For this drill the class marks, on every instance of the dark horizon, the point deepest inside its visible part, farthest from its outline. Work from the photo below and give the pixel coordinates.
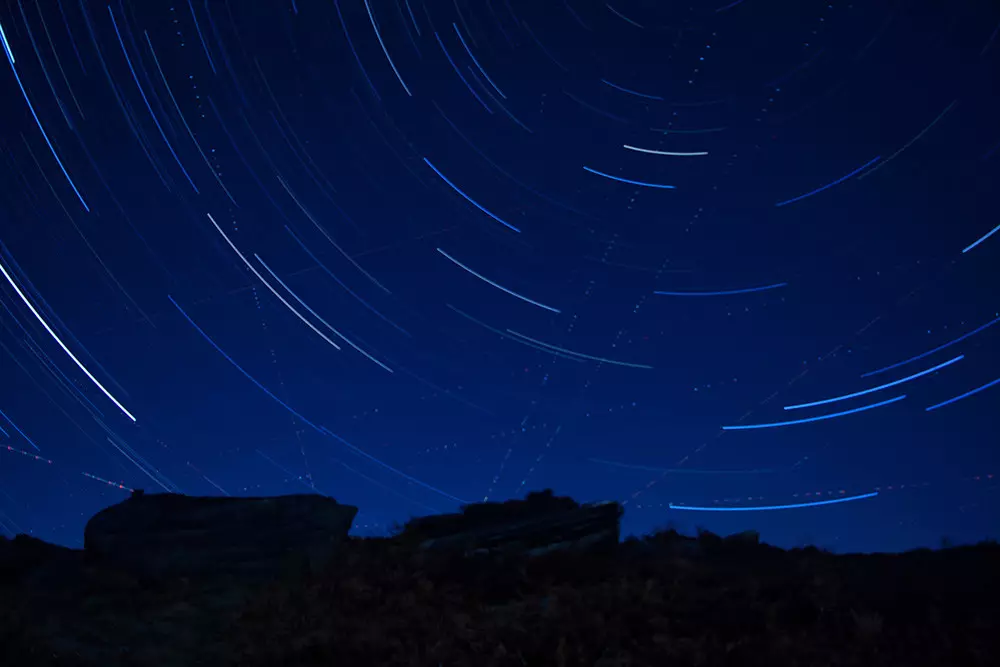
(734, 265)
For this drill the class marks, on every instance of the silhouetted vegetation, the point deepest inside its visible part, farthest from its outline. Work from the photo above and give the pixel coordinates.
(665, 599)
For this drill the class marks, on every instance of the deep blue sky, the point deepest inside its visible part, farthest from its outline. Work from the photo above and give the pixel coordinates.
(433, 182)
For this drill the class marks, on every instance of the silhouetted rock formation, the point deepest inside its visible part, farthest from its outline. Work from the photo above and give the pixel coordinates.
(539, 524)
(27, 558)
(496, 585)
(161, 535)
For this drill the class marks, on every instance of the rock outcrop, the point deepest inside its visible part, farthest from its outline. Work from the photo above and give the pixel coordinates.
(167, 535)
(425, 597)
(540, 524)
(29, 559)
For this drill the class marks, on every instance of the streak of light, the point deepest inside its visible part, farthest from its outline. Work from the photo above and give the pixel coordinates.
(499, 287)
(631, 92)
(501, 105)
(28, 454)
(409, 33)
(384, 50)
(58, 406)
(672, 153)
(31, 108)
(297, 478)
(681, 471)
(629, 181)
(460, 75)
(205, 477)
(729, 6)
(708, 130)
(773, 507)
(513, 338)
(53, 316)
(385, 465)
(57, 373)
(989, 43)
(500, 169)
(9, 520)
(45, 71)
(988, 234)
(776, 83)
(204, 46)
(137, 459)
(534, 38)
(829, 185)
(470, 199)
(596, 110)
(412, 17)
(222, 48)
(6, 46)
(936, 349)
(136, 464)
(268, 286)
(911, 141)
(142, 92)
(965, 395)
(579, 354)
(469, 51)
(357, 58)
(341, 283)
(330, 238)
(86, 241)
(623, 17)
(240, 369)
(878, 388)
(813, 419)
(169, 484)
(496, 477)
(538, 459)
(450, 394)
(180, 113)
(988, 154)
(317, 316)
(388, 488)
(576, 16)
(16, 428)
(724, 292)
(63, 345)
(117, 485)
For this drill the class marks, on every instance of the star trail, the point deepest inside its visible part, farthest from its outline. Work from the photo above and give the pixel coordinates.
(266, 248)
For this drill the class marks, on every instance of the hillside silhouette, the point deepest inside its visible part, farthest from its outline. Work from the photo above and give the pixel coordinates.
(540, 581)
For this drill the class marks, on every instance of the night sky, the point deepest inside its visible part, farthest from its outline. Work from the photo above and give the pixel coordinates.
(735, 265)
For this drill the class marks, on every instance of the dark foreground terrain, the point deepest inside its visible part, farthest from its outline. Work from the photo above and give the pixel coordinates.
(664, 600)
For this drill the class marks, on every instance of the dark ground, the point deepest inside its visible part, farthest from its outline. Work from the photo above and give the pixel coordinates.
(662, 600)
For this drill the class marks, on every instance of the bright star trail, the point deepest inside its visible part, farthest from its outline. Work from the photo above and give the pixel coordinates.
(763, 508)
(745, 290)
(864, 408)
(628, 180)
(671, 153)
(263, 248)
(874, 389)
(983, 238)
(499, 287)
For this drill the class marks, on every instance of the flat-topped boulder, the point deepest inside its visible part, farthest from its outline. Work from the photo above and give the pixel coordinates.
(165, 535)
